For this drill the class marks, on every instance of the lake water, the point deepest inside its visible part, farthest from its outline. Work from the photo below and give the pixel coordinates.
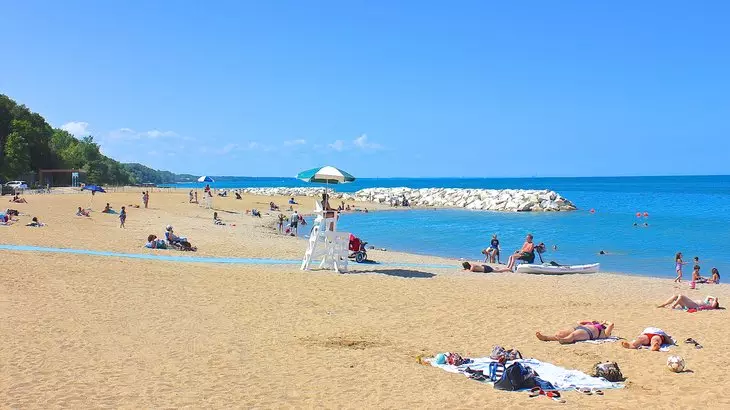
(689, 214)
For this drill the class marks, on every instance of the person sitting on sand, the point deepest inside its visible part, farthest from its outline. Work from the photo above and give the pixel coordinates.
(154, 243)
(715, 278)
(82, 212)
(35, 222)
(482, 268)
(684, 302)
(586, 330)
(17, 199)
(273, 206)
(526, 253)
(178, 242)
(255, 212)
(107, 209)
(217, 220)
(651, 336)
(238, 196)
(292, 201)
(696, 278)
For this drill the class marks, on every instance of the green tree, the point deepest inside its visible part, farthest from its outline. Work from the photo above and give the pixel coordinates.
(17, 156)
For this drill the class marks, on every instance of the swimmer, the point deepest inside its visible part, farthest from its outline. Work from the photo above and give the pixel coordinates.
(555, 247)
(602, 252)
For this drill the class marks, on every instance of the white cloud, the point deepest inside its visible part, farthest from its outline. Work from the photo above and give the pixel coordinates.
(77, 128)
(295, 142)
(130, 134)
(338, 145)
(158, 134)
(228, 148)
(362, 143)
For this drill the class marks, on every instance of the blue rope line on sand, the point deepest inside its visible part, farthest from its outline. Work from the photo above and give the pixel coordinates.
(192, 259)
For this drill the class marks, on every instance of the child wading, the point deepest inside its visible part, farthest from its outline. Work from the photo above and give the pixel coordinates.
(122, 217)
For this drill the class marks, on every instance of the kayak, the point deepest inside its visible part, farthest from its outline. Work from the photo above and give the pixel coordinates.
(547, 269)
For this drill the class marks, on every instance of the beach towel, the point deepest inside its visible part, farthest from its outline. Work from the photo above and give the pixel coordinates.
(562, 379)
(609, 339)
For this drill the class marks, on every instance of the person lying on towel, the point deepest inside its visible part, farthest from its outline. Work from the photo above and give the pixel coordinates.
(586, 330)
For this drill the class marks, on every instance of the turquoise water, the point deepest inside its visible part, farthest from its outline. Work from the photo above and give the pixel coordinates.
(689, 214)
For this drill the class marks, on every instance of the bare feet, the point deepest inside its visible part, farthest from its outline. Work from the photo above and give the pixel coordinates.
(626, 345)
(542, 337)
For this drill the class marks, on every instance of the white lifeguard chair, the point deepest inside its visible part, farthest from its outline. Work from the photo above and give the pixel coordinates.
(326, 243)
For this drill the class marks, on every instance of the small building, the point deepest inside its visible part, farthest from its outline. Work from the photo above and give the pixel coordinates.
(61, 177)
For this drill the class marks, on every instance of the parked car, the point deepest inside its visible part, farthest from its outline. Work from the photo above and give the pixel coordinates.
(17, 185)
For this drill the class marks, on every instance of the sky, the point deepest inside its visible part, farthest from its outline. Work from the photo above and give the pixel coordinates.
(381, 88)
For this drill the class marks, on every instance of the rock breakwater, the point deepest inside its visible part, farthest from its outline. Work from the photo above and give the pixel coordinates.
(506, 200)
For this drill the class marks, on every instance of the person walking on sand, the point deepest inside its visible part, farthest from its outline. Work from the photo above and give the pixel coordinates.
(281, 223)
(122, 217)
(190, 197)
(678, 263)
(145, 198)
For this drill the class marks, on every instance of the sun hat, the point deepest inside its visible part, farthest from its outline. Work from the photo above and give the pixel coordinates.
(168, 228)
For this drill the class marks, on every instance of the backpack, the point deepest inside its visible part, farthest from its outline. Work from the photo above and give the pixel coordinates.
(516, 377)
(608, 371)
(502, 355)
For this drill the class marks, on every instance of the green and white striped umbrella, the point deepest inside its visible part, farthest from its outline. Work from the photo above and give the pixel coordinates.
(325, 175)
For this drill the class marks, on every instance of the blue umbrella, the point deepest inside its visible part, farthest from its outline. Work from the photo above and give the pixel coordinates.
(93, 188)
(205, 178)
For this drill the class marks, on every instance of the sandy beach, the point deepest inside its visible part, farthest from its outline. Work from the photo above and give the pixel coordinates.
(84, 331)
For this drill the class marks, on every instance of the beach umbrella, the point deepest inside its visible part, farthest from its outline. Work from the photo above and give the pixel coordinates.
(325, 175)
(93, 189)
(205, 178)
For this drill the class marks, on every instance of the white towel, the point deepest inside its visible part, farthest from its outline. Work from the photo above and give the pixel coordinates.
(561, 378)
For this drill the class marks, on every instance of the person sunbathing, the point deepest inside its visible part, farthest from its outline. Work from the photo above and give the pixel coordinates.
(238, 196)
(255, 212)
(35, 222)
(273, 206)
(217, 220)
(683, 302)
(715, 278)
(652, 337)
(179, 242)
(18, 200)
(482, 268)
(586, 330)
(154, 243)
(82, 212)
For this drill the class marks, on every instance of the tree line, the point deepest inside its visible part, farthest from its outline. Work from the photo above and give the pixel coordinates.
(28, 143)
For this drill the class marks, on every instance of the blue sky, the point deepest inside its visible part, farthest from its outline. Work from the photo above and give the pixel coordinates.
(381, 88)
